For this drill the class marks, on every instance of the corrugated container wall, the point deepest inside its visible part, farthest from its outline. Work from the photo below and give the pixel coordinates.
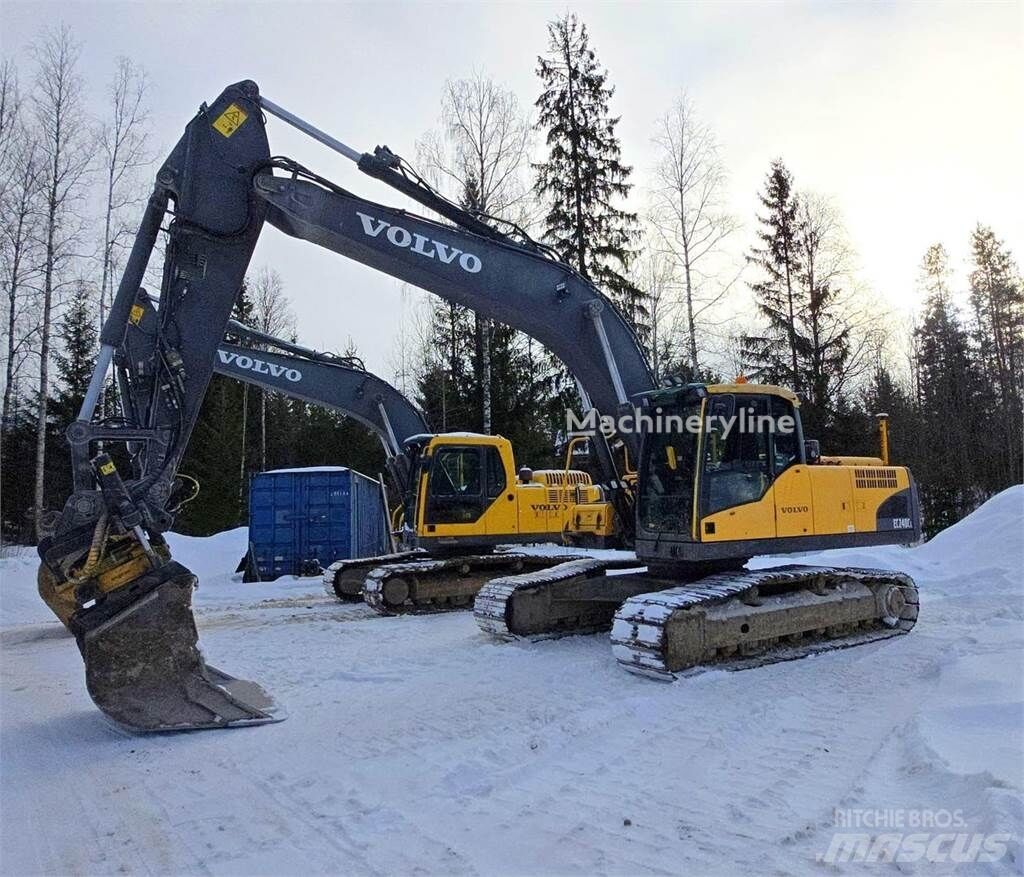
(301, 517)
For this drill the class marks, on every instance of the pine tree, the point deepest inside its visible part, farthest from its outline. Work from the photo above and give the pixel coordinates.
(583, 177)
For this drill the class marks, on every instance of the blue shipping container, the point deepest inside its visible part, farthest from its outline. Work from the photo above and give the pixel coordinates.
(301, 516)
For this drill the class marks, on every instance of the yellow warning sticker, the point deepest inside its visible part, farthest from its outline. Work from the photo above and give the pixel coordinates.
(136, 315)
(108, 469)
(231, 120)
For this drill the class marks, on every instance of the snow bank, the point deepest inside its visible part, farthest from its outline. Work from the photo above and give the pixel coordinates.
(992, 533)
(989, 543)
(210, 557)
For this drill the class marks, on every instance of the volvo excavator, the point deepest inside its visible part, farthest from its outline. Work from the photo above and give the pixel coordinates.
(730, 477)
(709, 496)
(466, 498)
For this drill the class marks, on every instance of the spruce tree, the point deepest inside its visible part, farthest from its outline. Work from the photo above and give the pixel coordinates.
(76, 352)
(445, 387)
(74, 357)
(218, 455)
(583, 178)
(950, 387)
(775, 352)
(885, 395)
(997, 302)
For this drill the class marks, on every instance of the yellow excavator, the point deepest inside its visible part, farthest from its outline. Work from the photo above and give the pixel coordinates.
(728, 476)
(466, 497)
(724, 472)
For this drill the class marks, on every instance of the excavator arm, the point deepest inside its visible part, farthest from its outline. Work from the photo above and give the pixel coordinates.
(105, 557)
(341, 383)
(217, 188)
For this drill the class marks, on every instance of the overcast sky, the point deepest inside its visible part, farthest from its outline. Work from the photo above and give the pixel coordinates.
(910, 116)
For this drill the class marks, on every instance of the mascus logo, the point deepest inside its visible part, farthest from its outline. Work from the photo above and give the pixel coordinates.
(794, 509)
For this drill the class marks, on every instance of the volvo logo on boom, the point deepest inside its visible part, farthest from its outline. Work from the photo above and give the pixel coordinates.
(419, 243)
(261, 367)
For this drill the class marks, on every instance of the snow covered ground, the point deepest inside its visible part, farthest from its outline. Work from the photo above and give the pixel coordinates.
(418, 744)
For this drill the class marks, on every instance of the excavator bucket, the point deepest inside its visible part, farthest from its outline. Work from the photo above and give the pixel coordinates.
(143, 667)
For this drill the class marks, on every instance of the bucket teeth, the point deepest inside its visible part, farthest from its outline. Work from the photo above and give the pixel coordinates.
(143, 666)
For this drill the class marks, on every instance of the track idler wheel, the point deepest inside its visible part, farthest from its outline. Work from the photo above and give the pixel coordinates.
(892, 603)
(396, 591)
(143, 667)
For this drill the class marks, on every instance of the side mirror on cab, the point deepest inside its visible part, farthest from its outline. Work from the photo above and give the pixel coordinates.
(812, 450)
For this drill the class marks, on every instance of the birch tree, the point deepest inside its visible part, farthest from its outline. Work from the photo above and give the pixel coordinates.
(10, 116)
(65, 152)
(19, 227)
(688, 210)
(121, 139)
(19, 197)
(480, 153)
(272, 314)
(655, 272)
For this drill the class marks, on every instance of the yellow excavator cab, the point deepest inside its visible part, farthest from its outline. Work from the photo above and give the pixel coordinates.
(470, 493)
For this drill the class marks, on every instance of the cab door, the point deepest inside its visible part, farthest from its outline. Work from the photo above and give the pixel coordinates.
(736, 499)
(501, 518)
(794, 499)
(465, 490)
(455, 499)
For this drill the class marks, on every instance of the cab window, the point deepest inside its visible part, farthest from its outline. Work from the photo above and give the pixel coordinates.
(455, 488)
(668, 466)
(495, 473)
(785, 442)
(737, 467)
(456, 472)
(463, 482)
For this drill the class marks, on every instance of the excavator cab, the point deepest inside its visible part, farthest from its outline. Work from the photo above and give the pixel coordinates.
(593, 521)
(469, 494)
(728, 476)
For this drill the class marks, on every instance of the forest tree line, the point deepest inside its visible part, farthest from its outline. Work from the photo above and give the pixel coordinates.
(72, 186)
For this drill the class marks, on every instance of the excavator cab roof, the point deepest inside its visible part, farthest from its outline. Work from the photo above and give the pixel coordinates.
(677, 391)
(754, 389)
(467, 438)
